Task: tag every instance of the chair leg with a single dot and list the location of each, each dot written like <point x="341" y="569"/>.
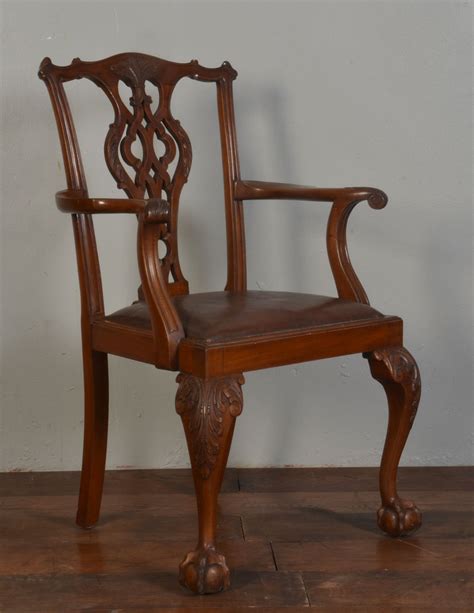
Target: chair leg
<point x="396" y="369"/>
<point x="96" y="409"/>
<point x="208" y="408"/>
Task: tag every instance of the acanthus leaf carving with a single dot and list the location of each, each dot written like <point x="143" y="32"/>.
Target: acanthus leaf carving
<point x="402" y="369"/>
<point x="203" y="404"/>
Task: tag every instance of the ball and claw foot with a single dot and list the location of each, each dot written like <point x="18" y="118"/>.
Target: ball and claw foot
<point x="399" y="518"/>
<point x="204" y="571"/>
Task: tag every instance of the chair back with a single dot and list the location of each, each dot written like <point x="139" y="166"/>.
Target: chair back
<point x="138" y="131"/>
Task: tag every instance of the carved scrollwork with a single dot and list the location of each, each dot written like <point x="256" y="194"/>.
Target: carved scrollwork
<point x="377" y="199"/>
<point x="130" y="144"/>
<point x="134" y="71"/>
<point x="401" y="368"/>
<point x="156" y="211"/>
<point x="142" y="124"/>
<point x="203" y="404"/>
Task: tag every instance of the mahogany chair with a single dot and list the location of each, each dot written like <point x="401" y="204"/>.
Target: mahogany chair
<point x="210" y="338"/>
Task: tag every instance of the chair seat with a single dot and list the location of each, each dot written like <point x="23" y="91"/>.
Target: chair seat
<point x="229" y="333"/>
<point x="217" y="317"/>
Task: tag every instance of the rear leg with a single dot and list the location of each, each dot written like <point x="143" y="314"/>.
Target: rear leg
<point x="96" y="413"/>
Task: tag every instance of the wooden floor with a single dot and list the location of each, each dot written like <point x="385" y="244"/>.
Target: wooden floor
<point x="293" y="538"/>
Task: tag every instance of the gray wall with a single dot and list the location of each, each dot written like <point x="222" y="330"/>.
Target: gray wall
<point x="329" y="93"/>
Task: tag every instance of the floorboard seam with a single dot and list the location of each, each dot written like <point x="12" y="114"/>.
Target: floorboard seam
<point x="305" y="590"/>
<point x="273" y="555"/>
<point x="242" y="526"/>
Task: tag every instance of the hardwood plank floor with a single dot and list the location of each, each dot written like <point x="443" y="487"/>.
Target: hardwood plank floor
<point x="295" y="539"/>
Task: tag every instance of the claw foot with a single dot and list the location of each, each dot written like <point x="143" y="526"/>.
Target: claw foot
<point x="399" y="518"/>
<point x="204" y="571"/>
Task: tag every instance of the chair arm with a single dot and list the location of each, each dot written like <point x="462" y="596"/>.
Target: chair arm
<point x="77" y="202"/>
<point x="344" y="199"/>
<point x="263" y="190"/>
<point x="152" y="215"/>
<point x="166" y="325"/>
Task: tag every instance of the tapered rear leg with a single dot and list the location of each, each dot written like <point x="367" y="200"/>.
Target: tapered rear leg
<point x="396" y="369"/>
<point x="96" y="409"/>
<point x="208" y="408"/>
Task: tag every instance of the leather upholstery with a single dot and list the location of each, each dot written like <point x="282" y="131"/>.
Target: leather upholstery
<point x="222" y="316"/>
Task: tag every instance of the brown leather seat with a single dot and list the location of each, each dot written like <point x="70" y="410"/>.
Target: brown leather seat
<point x="222" y="316"/>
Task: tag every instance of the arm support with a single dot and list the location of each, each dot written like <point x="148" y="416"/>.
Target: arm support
<point x="165" y="322"/>
<point x="153" y="215"/>
<point x="344" y="200"/>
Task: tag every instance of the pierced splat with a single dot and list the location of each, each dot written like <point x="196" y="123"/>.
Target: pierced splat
<point x="150" y="127"/>
<point x="146" y="149"/>
<point x="141" y="170"/>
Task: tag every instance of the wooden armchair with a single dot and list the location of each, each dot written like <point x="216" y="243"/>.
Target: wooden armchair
<point x="210" y="338"/>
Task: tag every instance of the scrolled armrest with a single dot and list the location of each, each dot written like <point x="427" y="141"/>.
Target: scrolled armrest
<point x="264" y="190"/>
<point x="154" y="210"/>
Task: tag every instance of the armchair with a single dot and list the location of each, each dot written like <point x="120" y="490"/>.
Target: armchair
<point x="211" y="338"/>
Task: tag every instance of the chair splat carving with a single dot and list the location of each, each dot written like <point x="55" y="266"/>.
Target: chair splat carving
<point x="138" y="127"/>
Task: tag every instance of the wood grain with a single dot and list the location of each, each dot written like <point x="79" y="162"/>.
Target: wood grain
<point x="444" y="478"/>
<point x="412" y="591"/>
<point x="432" y="554"/>
<point x="50" y="593"/>
<point x="118" y="482"/>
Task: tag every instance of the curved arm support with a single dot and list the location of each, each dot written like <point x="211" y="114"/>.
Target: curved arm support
<point x="77" y="202"/>
<point x="348" y="285"/>
<point x="153" y="214"/>
<point x="165" y="322"/>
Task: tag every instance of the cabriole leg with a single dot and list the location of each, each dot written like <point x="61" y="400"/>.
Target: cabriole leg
<point x="96" y="413"/>
<point x="208" y="408"/>
<point x="396" y="369"/>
